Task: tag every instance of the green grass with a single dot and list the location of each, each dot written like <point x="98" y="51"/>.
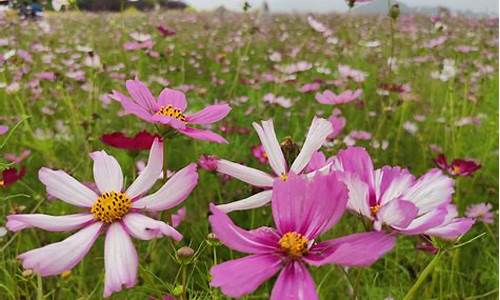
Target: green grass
<point x="234" y="47"/>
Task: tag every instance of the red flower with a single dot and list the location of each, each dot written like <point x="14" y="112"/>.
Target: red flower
<point x="165" y="31"/>
<point x="141" y="141"/>
<point x="9" y="176"/>
<point x="458" y="167"/>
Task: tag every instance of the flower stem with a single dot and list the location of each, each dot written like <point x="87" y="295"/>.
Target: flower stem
<point x="421" y="278"/>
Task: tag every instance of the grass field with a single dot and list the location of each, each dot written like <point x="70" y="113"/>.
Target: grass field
<point x="239" y="59"/>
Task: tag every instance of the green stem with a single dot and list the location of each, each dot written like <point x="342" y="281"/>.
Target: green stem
<point x="421" y="278"/>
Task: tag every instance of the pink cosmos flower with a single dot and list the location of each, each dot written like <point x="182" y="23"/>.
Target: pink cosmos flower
<point x="347" y="72"/>
<point x="114" y="211"/>
<point x="259" y="152"/>
<point x="392" y="196"/>
<point x="302" y="210"/>
<point x="338" y="123"/>
<point x="318" y="132"/>
<point x="208" y="162"/>
<point x="436" y="42"/>
<point x="481" y="212"/>
<point x="12" y="157"/>
<point x="169" y="109"/>
<point x="309" y="87"/>
<point x="329" y="97"/>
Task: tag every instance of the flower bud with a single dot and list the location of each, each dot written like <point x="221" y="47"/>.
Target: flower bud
<point x="394" y="11"/>
<point x="185" y="254"/>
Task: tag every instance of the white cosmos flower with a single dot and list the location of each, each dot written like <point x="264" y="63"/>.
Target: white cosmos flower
<point x="318" y="132"/>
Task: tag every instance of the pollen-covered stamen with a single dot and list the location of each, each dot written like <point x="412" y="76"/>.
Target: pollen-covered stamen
<point x="284" y="176"/>
<point x="455" y="170"/>
<point x="111" y="206"/>
<point x="294" y="244"/>
<point x="170" y="111"/>
<point x="2" y="183"/>
<point x="374" y="209"/>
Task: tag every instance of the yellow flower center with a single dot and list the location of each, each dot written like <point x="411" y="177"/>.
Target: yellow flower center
<point x="294" y="244"/>
<point x="284" y="176"/>
<point x="374" y="209"/>
<point x="2" y="183"/>
<point x="455" y="170"/>
<point x="111" y="206"/>
<point x="170" y="111"/>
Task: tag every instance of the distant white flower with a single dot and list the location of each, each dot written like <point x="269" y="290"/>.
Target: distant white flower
<point x="58" y="4"/>
<point x="410" y="127"/>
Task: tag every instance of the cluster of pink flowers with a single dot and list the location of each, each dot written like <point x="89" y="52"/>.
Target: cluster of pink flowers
<point x="308" y="194"/>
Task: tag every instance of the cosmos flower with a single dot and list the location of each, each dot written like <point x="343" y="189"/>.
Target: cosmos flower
<point x="113" y="210"/>
<point x="329" y="97"/>
<point x="393" y="196"/>
<point x="338" y="123"/>
<point x="208" y="162"/>
<point x="169" y="109"/>
<point x="259" y="153"/>
<point x="347" y="72"/>
<point x="3" y="129"/>
<point x="458" y="167"/>
<point x="165" y="31"/>
<point x="318" y="132"/>
<point x="10" y="176"/>
<point x="481" y="212"/>
<point x="141" y="141"/>
<point x="12" y="157"/>
<point x="302" y="210"/>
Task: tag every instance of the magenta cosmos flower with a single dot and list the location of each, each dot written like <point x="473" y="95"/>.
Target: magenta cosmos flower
<point x="302" y="210"/>
<point x="481" y="212"/>
<point x="392" y="196"/>
<point x="115" y="211"/>
<point x="318" y="132"/>
<point x="169" y="109"/>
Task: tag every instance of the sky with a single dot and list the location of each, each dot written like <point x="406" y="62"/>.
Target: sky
<point x="480" y="6"/>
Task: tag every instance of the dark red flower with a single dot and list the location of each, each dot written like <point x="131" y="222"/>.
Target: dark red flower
<point x="165" y="31"/>
<point x="141" y="141"/>
<point x="9" y="176"/>
<point x="458" y="167"/>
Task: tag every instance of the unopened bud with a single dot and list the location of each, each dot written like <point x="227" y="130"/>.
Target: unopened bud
<point x="394" y="11"/>
<point x="27" y="273"/>
<point x="65" y="274"/>
<point x="184" y="254"/>
<point x="212" y="240"/>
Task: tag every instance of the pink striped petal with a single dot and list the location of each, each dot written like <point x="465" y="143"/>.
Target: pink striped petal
<point x="294" y="283"/>
<point x="173" y="192"/>
<point x="150" y="174"/>
<point x="431" y="190"/>
<point x="209" y="114"/>
<point x="262" y="240"/>
<point x="141" y="95"/>
<point x="453" y="229"/>
<point x="398" y="213"/>
<point x="145" y="228"/>
<point x="62" y="256"/>
<point x="391" y="183"/>
<point x="62" y="186"/>
<point x="49" y="223"/>
<point x="242" y="276"/>
<point x="246" y="174"/>
<point x="271" y="145"/>
<point x="356" y="160"/>
<point x="316" y="136"/>
<point x="132" y="107"/>
<point x="254" y="201"/>
<point x="120" y="260"/>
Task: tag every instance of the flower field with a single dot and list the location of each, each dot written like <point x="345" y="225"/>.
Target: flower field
<point x="218" y="155"/>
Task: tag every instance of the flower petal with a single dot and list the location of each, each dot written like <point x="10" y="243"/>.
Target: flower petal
<point x="108" y="174"/>
<point x="132" y="107"/>
<point x="172" y="97"/>
<point x="262" y="240"/>
<point x="452" y="230"/>
<point x="271" y="145"/>
<point x="204" y="135"/>
<point x="308" y="207"/>
<point x="359" y="249"/>
<point x="150" y="174"/>
<point x="246" y="174"/>
<point x="141" y="94"/>
<point x="254" y="201"/>
<point x="61" y="256"/>
<point x="18" y="222"/>
<point x="120" y="260"/>
<point x="424" y="222"/>
<point x="356" y="160"/>
<point x="316" y="136"/>
<point x="398" y="213"/>
<point x="145" y="228"/>
<point x="62" y="186"/>
<point x="173" y="192"/>
<point x="391" y="183"/>
<point x="242" y="276"/>
<point x="209" y="114"/>
<point x="358" y="194"/>
<point x="294" y="282"/>
<point x="430" y="191"/>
